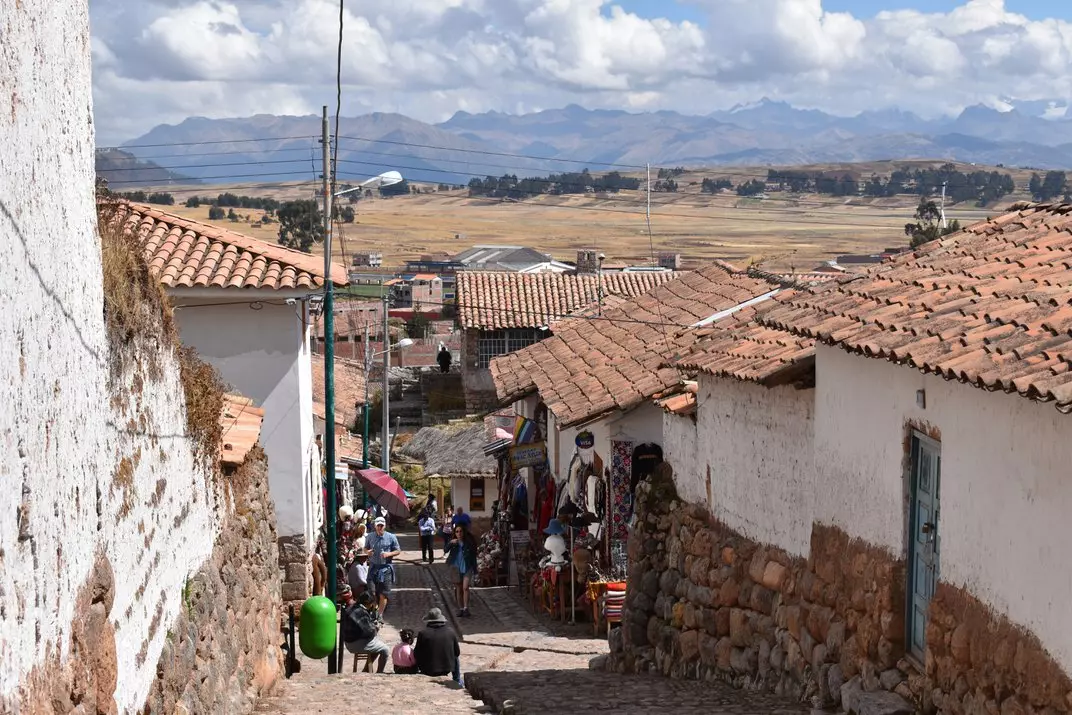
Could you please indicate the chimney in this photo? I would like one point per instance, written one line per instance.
(670, 260)
(587, 261)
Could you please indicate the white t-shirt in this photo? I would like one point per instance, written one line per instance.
(358, 574)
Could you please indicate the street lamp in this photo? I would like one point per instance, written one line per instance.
(331, 515)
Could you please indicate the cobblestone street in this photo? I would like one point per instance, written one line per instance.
(508, 654)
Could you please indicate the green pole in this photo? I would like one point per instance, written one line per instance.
(329, 386)
(365, 409)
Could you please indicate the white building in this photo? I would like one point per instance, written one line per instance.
(918, 442)
(243, 305)
(597, 375)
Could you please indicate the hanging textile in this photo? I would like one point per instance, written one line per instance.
(621, 471)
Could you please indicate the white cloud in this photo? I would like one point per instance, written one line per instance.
(161, 60)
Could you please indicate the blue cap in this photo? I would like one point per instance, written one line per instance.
(555, 527)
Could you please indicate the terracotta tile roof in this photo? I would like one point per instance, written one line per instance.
(493, 300)
(990, 306)
(680, 402)
(189, 254)
(349, 389)
(241, 423)
(742, 348)
(593, 366)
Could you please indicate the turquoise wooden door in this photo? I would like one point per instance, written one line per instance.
(923, 553)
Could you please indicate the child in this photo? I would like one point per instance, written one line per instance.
(402, 656)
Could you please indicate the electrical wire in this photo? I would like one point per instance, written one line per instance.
(204, 143)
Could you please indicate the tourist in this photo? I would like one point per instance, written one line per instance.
(360, 629)
(427, 528)
(462, 519)
(402, 658)
(383, 547)
(462, 560)
(437, 651)
(357, 574)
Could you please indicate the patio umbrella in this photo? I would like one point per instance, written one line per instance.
(382, 487)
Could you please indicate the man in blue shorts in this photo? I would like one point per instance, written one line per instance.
(383, 547)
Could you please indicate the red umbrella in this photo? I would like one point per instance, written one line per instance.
(388, 493)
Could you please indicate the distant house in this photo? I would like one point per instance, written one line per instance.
(456, 452)
(519, 259)
(420, 291)
(502, 312)
(243, 305)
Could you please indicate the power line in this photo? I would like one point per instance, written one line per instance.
(492, 153)
(226, 176)
(203, 143)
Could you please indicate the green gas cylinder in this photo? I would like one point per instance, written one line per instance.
(317, 627)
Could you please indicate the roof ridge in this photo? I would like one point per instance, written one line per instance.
(302, 261)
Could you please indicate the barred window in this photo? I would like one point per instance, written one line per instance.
(493, 343)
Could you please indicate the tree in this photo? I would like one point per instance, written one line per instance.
(346, 214)
(752, 188)
(300, 224)
(1050, 187)
(193, 202)
(399, 189)
(928, 225)
(232, 216)
(215, 213)
(713, 186)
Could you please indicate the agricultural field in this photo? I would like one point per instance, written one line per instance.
(780, 230)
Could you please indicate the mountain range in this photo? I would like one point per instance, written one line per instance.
(267, 148)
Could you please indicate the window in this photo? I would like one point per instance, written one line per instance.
(493, 343)
(476, 495)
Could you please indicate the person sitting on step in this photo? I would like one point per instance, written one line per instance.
(360, 629)
(402, 658)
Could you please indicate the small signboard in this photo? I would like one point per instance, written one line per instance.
(519, 542)
(528, 455)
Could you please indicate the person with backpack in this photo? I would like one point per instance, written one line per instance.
(361, 628)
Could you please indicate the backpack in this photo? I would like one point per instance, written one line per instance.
(357, 625)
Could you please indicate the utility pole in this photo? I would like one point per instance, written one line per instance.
(331, 512)
(941, 208)
(368, 374)
(385, 439)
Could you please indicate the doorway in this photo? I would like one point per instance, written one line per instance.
(923, 542)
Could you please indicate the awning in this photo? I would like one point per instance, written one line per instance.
(499, 445)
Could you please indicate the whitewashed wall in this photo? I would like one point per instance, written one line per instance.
(263, 353)
(757, 443)
(64, 433)
(1005, 494)
(459, 496)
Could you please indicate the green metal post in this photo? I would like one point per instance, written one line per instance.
(331, 512)
(365, 409)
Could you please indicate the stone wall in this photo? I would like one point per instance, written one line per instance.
(705, 603)
(223, 651)
(476, 381)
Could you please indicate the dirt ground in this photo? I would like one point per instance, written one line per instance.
(781, 231)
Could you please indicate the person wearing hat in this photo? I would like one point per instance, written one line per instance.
(383, 547)
(357, 574)
(361, 628)
(437, 650)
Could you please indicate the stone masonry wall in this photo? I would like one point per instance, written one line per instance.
(223, 652)
(705, 603)
(476, 381)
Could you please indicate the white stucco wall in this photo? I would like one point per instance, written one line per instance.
(64, 431)
(263, 354)
(1005, 493)
(459, 496)
(757, 443)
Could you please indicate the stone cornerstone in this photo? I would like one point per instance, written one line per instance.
(705, 603)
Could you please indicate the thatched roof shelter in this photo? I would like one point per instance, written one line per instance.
(452, 451)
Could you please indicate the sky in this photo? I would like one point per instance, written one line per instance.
(160, 61)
